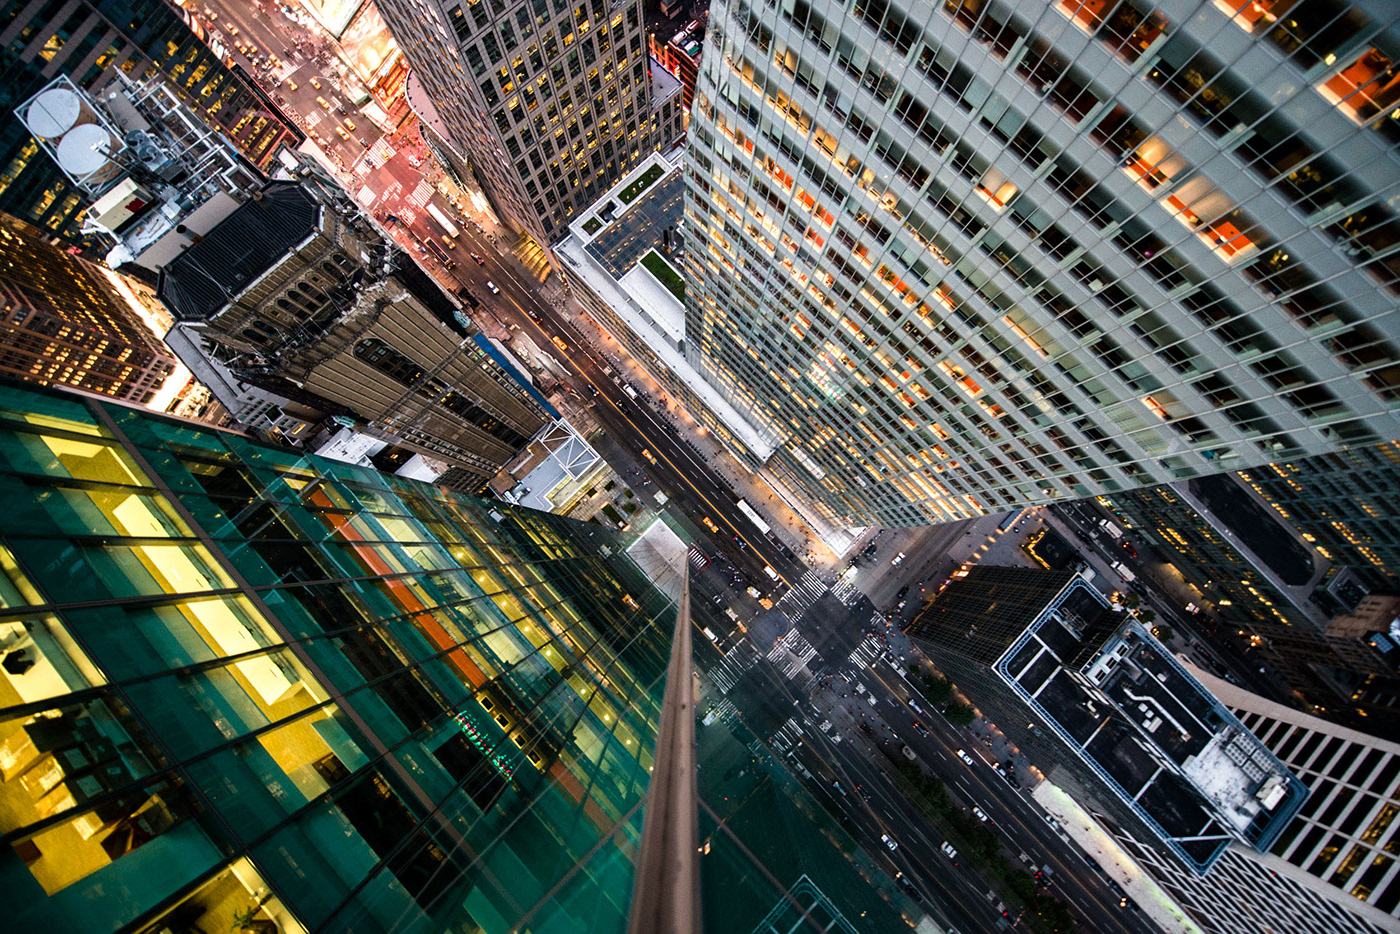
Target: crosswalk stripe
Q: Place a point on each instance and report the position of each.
(422, 193)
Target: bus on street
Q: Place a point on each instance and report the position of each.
(443, 222)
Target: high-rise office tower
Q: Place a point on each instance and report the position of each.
(91, 41)
(1250, 566)
(245, 689)
(248, 690)
(966, 256)
(1334, 867)
(1060, 670)
(1348, 505)
(550, 103)
(65, 323)
(297, 291)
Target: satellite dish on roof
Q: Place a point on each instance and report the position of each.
(86, 151)
(53, 113)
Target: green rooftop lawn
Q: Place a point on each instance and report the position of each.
(656, 264)
(642, 183)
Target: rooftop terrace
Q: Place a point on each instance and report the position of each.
(1176, 755)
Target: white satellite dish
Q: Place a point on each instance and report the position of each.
(53, 113)
(86, 150)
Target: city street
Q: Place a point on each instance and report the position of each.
(848, 656)
(387, 176)
(505, 290)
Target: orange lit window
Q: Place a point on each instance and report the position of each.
(1366, 88)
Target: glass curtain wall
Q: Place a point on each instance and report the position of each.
(246, 689)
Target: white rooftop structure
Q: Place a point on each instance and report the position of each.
(552, 482)
(146, 161)
(642, 302)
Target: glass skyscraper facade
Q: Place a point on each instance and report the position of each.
(966, 256)
(247, 689)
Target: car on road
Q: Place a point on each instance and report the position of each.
(534, 315)
(903, 592)
(646, 452)
(910, 890)
(839, 789)
(705, 521)
(980, 815)
(949, 852)
(967, 760)
(908, 753)
(718, 599)
(340, 131)
(1128, 547)
(920, 728)
(897, 560)
(316, 82)
(449, 242)
(754, 592)
(323, 102)
(291, 85)
(860, 790)
(349, 124)
(559, 342)
(492, 286)
(887, 841)
(479, 260)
